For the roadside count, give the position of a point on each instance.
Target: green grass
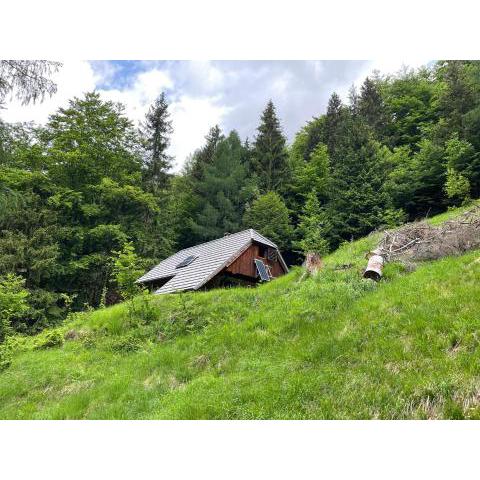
(334, 346)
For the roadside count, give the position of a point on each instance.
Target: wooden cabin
(243, 258)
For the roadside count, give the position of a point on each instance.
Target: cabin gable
(244, 265)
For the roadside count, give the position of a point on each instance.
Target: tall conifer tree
(357, 199)
(372, 108)
(270, 158)
(333, 119)
(206, 154)
(156, 131)
(221, 191)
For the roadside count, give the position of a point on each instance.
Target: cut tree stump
(313, 263)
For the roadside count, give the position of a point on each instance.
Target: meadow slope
(335, 346)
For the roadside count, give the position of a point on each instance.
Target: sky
(201, 94)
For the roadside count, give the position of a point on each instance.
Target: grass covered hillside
(335, 346)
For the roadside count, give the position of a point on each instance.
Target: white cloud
(204, 93)
(207, 76)
(137, 98)
(281, 84)
(192, 118)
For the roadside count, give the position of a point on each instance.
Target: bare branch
(27, 80)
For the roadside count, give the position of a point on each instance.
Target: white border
(238, 450)
(250, 29)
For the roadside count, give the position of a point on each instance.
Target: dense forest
(90, 184)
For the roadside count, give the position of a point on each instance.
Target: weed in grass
(126, 344)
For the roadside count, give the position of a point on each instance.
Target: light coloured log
(375, 265)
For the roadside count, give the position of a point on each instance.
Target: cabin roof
(210, 258)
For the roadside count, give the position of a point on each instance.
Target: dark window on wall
(262, 251)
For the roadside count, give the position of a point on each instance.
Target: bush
(127, 270)
(51, 339)
(141, 309)
(46, 309)
(185, 317)
(13, 302)
(88, 339)
(7, 349)
(457, 187)
(5, 356)
(127, 344)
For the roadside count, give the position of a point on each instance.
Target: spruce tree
(353, 99)
(357, 198)
(372, 108)
(316, 133)
(270, 158)
(314, 174)
(156, 131)
(459, 92)
(429, 177)
(333, 121)
(313, 227)
(205, 155)
(221, 191)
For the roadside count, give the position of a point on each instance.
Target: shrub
(127, 269)
(7, 349)
(126, 344)
(5, 356)
(141, 309)
(46, 309)
(457, 187)
(13, 302)
(88, 339)
(393, 217)
(51, 339)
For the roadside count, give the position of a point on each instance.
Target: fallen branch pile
(421, 241)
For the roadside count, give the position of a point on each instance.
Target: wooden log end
(375, 267)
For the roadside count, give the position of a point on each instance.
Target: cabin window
(262, 251)
(272, 254)
(187, 261)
